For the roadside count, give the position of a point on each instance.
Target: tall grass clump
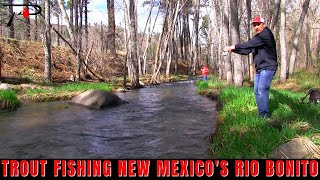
(202, 85)
(241, 134)
(8, 100)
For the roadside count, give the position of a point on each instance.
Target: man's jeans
(204, 77)
(262, 83)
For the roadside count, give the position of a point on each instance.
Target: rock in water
(97, 99)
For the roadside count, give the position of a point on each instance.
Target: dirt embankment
(24, 60)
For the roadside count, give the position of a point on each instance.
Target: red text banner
(159, 168)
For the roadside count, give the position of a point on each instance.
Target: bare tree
(185, 39)
(148, 37)
(227, 59)
(47, 41)
(66, 18)
(86, 21)
(250, 58)
(235, 37)
(196, 50)
(1, 57)
(168, 29)
(111, 28)
(26, 22)
(214, 32)
(283, 49)
(296, 37)
(75, 39)
(133, 61)
(276, 15)
(71, 6)
(36, 25)
(318, 54)
(11, 29)
(126, 44)
(76, 15)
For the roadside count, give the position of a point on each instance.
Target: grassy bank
(241, 134)
(11, 99)
(61, 92)
(50, 92)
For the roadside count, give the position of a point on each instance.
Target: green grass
(241, 134)
(213, 83)
(307, 80)
(8, 100)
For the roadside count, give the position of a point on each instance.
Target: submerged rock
(97, 99)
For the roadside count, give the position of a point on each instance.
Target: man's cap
(257, 19)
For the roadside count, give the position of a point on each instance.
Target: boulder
(297, 148)
(97, 99)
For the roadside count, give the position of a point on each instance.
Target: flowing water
(166, 121)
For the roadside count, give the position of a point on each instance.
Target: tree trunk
(215, 36)
(169, 58)
(66, 18)
(195, 51)
(276, 15)
(58, 38)
(1, 57)
(296, 37)
(235, 37)
(175, 51)
(76, 16)
(11, 28)
(133, 64)
(79, 36)
(215, 6)
(318, 55)
(36, 25)
(250, 59)
(227, 59)
(157, 55)
(126, 43)
(148, 38)
(75, 41)
(283, 50)
(86, 33)
(47, 42)
(186, 40)
(72, 11)
(26, 22)
(111, 28)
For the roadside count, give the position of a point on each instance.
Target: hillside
(24, 61)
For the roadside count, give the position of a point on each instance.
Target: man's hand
(229, 48)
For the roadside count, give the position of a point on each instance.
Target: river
(165, 121)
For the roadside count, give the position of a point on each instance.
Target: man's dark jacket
(263, 48)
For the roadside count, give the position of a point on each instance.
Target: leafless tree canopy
(176, 36)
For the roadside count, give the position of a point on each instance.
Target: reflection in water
(167, 121)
